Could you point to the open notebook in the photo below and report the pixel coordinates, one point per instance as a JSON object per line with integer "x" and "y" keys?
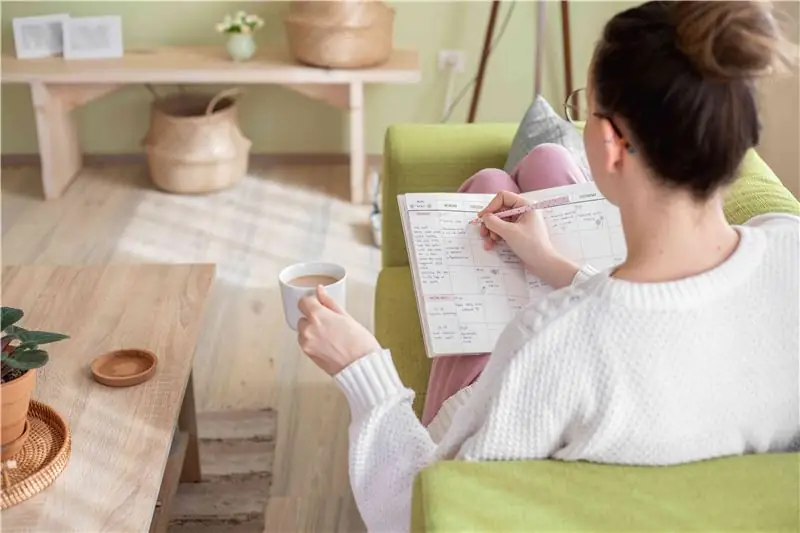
{"x": 467, "y": 295}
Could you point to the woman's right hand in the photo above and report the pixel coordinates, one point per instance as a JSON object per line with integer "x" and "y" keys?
{"x": 527, "y": 237}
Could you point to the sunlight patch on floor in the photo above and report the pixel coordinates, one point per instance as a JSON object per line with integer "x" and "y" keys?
{"x": 251, "y": 231}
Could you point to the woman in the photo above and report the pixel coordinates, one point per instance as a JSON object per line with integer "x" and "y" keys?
{"x": 687, "y": 350}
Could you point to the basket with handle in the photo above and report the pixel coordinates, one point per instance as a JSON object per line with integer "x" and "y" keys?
{"x": 194, "y": 143}
{"x": 340, "y": 33}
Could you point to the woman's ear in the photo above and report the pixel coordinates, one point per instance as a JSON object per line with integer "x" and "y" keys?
{"x": 613, "y": 149}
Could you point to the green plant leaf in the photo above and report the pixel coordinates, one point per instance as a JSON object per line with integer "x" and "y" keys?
{"x": 28, "y": 360}
{"x": 14, "y": 331}
{"x": 26, "y": 346}
{"x": 32, "y": 338}
{"x": 10, "y": 316}
{"x": 10, "y": 361}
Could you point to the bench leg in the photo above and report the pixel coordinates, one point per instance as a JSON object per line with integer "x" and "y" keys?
{"x": 187, "y": 422}
{"x": 59, "y": 148}
{"x": 58, "y": 141}
{"x": 358, "y": 178}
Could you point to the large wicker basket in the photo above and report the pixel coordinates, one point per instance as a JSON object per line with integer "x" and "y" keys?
{"x": 340, "y": 33}
{"x": 194, "y": 144}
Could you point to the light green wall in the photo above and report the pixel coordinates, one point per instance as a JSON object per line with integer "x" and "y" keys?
{"x": 280, "y": 121}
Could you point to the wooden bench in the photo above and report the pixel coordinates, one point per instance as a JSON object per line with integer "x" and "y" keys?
{"x": 58, "y": 86}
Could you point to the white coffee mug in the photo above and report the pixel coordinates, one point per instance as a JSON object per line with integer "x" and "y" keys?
{"x": 302, "y": 278}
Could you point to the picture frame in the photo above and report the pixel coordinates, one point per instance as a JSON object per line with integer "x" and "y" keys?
{"x": 39, "y": 37}
{"x": 93, "y": 37}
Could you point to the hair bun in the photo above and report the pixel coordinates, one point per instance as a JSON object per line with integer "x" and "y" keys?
{"x": 732, "y": 40}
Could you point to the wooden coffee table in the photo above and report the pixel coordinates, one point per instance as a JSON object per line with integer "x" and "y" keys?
{"x": 129, "y": 445}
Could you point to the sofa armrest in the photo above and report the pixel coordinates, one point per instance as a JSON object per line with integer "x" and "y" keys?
{"x": 755, "y": 493}
{"x": 433, "y": 158}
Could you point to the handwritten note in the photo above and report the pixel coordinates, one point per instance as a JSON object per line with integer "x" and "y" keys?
{"x": 468, "y": 294}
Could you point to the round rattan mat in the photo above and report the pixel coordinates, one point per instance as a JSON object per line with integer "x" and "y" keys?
{"x": 40, "y": 461}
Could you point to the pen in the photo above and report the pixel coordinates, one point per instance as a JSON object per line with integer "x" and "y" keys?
{"x": 560, "y": 200}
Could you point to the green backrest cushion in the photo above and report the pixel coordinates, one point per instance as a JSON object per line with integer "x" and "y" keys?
{"x": 757, "y": 190}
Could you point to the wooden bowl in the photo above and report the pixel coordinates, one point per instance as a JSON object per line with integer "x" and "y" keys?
{"x": 124, "y": 368}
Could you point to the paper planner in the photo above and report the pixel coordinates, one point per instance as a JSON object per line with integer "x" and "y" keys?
{"x": 467, "y": 295}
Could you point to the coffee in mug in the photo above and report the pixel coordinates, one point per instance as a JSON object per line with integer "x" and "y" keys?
{"x": 301, "y": 279}
{"x": 312, "y": 281}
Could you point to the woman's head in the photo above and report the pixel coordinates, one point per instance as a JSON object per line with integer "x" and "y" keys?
{"x": 676, "y": 81}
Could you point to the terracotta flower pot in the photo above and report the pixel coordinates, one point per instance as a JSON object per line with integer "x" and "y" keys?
{"x": 15, "y": 397}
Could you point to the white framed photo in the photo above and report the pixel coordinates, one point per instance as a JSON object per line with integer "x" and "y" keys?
{"x": 93, "y": 37}
{"x": 37, "y": 37}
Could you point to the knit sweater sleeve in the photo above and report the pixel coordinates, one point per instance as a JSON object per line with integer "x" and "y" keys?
{"x": 389, "y": 446}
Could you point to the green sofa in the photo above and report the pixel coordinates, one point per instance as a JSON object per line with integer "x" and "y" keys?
{"x": 751, "y": 493}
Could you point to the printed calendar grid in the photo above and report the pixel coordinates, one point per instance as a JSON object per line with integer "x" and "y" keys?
{"x": 470, "y": 294}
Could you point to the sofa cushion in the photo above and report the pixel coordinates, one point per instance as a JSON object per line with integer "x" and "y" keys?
{"x": 757, "y": 190}
{"x": 541, "y": 124}
{"x": 397, "y": 327}
{"x": 750, "y": 493}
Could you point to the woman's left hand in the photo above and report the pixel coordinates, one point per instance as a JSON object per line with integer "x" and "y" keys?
{"x": 329, "y": 336}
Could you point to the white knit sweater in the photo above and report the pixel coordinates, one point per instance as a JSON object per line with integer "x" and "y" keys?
{"x": 608, "y": 371}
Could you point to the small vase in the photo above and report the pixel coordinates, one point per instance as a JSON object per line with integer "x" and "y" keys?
{"x": 241, "y": 46}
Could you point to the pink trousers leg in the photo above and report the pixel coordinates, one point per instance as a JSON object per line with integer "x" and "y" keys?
{"x": 489, "y": 181}
{"x": 547, "y": 165}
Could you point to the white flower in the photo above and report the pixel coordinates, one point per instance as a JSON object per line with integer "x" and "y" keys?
{"x": 254, "y": 21}
{"x": 221, "y": 27}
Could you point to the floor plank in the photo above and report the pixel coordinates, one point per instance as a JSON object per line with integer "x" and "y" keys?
{"x": 222, "y": 499}
{"x": 257, "y": 424}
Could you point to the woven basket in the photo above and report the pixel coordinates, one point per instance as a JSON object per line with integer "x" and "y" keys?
{"x": 340, "y": 33}
{"x": 40, "y": 461}
{"x": 194, "y": 144}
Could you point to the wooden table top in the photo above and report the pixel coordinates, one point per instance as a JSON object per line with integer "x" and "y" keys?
{"x": 120, "y": 437}
{"x": 202, "y": 64}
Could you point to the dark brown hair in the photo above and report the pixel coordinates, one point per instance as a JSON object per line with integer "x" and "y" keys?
{"x": 680, "y": 76}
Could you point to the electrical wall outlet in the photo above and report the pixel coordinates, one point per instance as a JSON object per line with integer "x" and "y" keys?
{"x": 452, "y": 59}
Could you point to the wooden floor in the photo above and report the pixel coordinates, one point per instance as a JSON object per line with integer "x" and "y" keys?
{"x": 247, "y": 358}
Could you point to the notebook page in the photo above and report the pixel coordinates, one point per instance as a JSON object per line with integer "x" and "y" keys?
{"x": 467, "y": 295}
{"x": 412, "y": 259}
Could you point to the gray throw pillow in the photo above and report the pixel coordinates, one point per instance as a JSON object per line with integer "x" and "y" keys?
{"x": 541, "y": 124}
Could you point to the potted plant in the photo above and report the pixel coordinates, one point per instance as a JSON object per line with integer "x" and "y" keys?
{"x": 240, "y": 29}
{"x": 21, "y": 356}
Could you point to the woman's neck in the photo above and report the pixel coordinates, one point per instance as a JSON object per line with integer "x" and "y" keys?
{"x": 671, "y": 237}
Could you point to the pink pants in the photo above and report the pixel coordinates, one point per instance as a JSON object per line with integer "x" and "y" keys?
{"x": 547, "y": 165}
